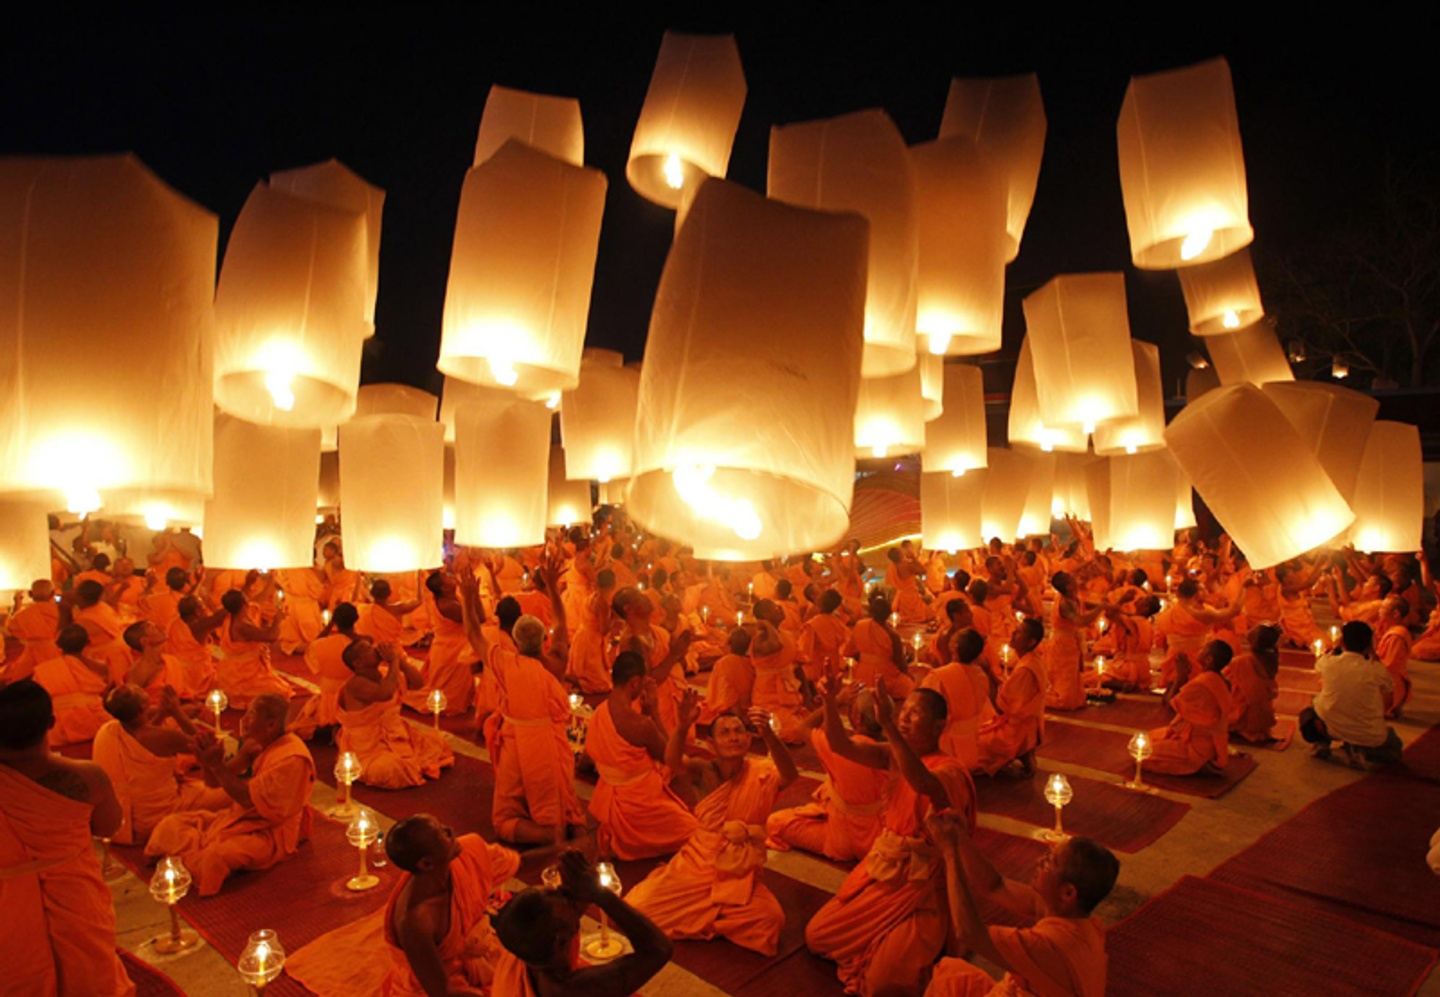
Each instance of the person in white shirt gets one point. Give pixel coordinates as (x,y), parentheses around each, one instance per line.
(1350,706)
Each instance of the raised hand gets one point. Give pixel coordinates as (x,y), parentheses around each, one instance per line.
(689,709)
(884,706)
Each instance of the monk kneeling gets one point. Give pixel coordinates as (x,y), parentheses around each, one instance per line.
(393,754)
(1198,739)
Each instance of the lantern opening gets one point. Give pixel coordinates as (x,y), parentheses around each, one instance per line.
(939,341)
(1230,320)
(1196,243)
(692,483)
(281,385)
(674,172)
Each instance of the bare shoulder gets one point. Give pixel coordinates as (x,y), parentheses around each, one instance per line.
(72,778)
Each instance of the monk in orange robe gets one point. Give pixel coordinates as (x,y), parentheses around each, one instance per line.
(269,814)
(639,815)
(324,658)
(663,656)
(188,640)
(1251,677)
(1189,625)
(1392,648)
(342,584)
(790,619)
(35,626)
(711,887)
(383,619)
(903,576)
(162,605)
(732,679)
(822,638)
(449,668)
(305,593)
(98,572)
(139,756)
(1016,732)
(1365,605)
(77,684)
(880,654)
(152,669)
(59,917)
(393,754)
(966,689)
(886,925)
(777,685)
(588,663)
(128,587)
(245,671)
(1061,951)
(1065,652)
(1296,617)
(104,626)
(1199,736)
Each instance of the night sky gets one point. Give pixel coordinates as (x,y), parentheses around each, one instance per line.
(215,102)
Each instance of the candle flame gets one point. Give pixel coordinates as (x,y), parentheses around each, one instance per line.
(674,171)
(1231,320)
(1196,243)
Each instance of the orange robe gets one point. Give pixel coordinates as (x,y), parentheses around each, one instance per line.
(589,664)
(1021,723)
(35,627)
(669,688)
(886,924)
(323,658)
(244,672)
(712,886)
(448,670)
(910,604)
(1298,620)
(197,661)
(58,913)
(732,681)
(1427,646)
(847,812)
(379,624)
(639,815)
(762,586)
(78,697)
(127,599)
(213,845)
(148,785)
(1184,634)
(1200,733)
(161,607)
(1392,648)
(777,689)
(107,644)
(822,641)
(92,575)
(1252,695)
(393,754)
(1064,659)
(967,698)
(870,643)
(537,604)
(304,591)
(1055,957)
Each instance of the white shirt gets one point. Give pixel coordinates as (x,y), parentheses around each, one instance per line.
(1352,698)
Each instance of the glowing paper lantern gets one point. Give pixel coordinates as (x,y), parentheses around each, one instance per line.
(932,384)
(155,508)
(744,443)
(520,272)
(1024,425)
(453,394)
(391,473)
(1256,474)
(1079,333)
(1035,517)
(1146,429)
(858,162)
(24,544)
(1071,494)
(1222,297)
(544,122)
(1142,501)
(1006,488)
(569,501)
(1184,497)
(1097,488)
(960,215)
(597,419)
(328,496)
(263,512)
(1182,171)
(687,123)
(1252,355)
(890,415)
(447,516)
(1390,493)
(105,329)
(502,455)
(333,184)
(955,442)
(950,510)
(1005,117)
(1333,421)
(1198,381)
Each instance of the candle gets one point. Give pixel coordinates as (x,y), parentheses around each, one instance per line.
(262,960)
(1318,646)
(894,619)
(1140,750)
(1102,624)
(217,701)
(437,702)
(1058,793)
(576,701)
(361,832)
(739,617)
(168,886)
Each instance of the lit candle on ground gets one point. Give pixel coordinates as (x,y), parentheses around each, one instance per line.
(437,702)
(168,886)
(1058,794)
(361,833)
(347,770)
(262,960)
(1140,750)
(217,701)
(603,945)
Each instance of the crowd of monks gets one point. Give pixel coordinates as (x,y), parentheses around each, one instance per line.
(908,683)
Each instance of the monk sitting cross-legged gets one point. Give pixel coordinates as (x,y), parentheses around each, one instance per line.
(777,685)
(886,924)
(711,887)
(324,658)
(92,608)
(1062,952)
(244,672)
(1198,738)
(732,679)
(966,689)
(77,685)
(269,813)
(35,626)
(1253,689)
(393,754)
(1017,731)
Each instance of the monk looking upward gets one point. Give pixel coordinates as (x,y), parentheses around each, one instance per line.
(777,687)
(1251,677)
(35,626)
(188,640)
(966,689)
(1016,732)
(822,638)
(1392,648)
(450,655)
(77,685)
(732,679)
(1198,738)
(393,754)
(244,672)
(384,620)
(324,658)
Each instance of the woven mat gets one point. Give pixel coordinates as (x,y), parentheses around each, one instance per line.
(1106,750)
(1113,815)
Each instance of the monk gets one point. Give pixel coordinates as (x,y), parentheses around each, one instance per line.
(639,815)
(59,918)
(1062,951)
(451,657)
(958,619)
(1197,740)
(1065,652)
(663,656)
(1189,627)
(1296,617)
(342,584)
(162,606)
(320,714)
(587,663)
(966,689)
(886,924)
(1016,732)
(269,814)
(1365,605)
(383,619)
(188,640)
(880,653)
(305,592)
(127,588)
(822,638)
(393,754)
(1251,677)
(35,626)
(139,755)
(732,679)
(777,686)
(1392,647)
(904,575)
(102,623)
(245,671)
(540,932)
(77,684)
(152,669)
(98,572)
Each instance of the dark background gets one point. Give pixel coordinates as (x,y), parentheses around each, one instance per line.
(214,101)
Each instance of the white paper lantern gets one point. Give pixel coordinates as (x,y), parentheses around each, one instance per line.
(1024,425)
(858,162)
(688,121)
(932,384)
(262,514)
(1071,494)
(105,329)
(1006,489)
(542,121)
(521,269)
(391,475)
(1333,421)
(1198,381)
(955,442)
(1035,518)
(744,442)
(1256,475)
(1142,501)
(327,497)
(1390,491)
(569,500)
(155,508)
(1004,116)
(447,515)
(1097,488)
(1145,430)
(890,415)
(1222,297)
(1250,356)
(24,544)
(950,510)
(1182,170)
(1079,333)
(597,419)
(502,457)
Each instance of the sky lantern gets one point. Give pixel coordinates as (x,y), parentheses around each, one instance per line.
(1199,380)
(1223,296)
(1390,491)
(688,121)
(328,496)
(597,418)
(1251,356)
(391,478)
(858,162)
(960,219)
(1182,170)
(745,440)
(1333,421)
(1035,517)
(1002,500)
(1004,116)
(447,515)
(548,123)
(1256,474)
(156,508)
(24,543)
(105,329)
(1184,497)
(521,269)
(1079,333)
(290,312)
(1097,490)
(1024,425)
(502,461)
(1143,488)
(955,442)
(568,501)
(262,514)
(1071,494)
(890,415)
(1146,429)
(950,511)
(335,185)
(932,384)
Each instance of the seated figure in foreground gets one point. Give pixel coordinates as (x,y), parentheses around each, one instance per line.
(1350,706)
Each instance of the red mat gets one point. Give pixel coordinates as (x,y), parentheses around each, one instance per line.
(1291,701)
(1106,750)
(149,981)
(1422,758)
(1358,852)
(1201,936)
(462,797)
(1137,714)
(1117,817)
